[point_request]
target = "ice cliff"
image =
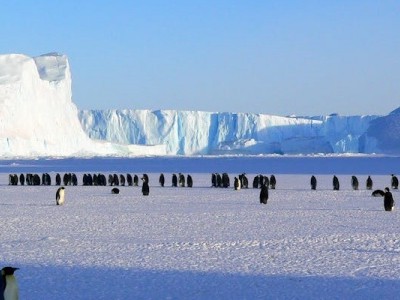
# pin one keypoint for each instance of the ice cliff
(38, 119)
(194, 132)
(37, 116)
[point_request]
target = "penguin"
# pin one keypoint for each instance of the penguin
(256, 182)
(22, 179)
(58, 179)
(388, 201)
(174, 180)
(110, 179)
(313, 182)
(395, 182)
(378, 193)
(115, 179)
(36, 179)
(225, 180)
(161, 180)
(219, 180)
(237, 184)
(129, 179)
(145, 187)
(181, 180)
(60, 196)
(354, 182)
(122, 179)
(244, 182)
(115, 191)
(336, 185)
(214, 180)
(189, 181)
(264, 194)
(369, 183)
(135, 180)
(272, 181)
(8, 284)
(67, 179)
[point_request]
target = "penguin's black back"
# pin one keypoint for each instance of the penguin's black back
(2, 286)
(264, 194)
(145, 188)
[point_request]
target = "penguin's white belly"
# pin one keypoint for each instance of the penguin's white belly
(11, 291)
(61, 198)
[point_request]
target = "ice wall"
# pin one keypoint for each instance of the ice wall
(37, 116)
(194, 132)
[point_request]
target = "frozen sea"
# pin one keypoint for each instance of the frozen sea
(203, 242)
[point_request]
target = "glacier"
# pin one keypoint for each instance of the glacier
(211, 133)
(39, 119)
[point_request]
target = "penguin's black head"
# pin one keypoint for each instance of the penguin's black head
(8, 270)
(386, 189)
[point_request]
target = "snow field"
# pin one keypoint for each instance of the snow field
(202, 242)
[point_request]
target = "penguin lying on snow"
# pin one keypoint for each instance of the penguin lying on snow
(60, 196)
(8, 284)
(378, 193)
(115, 191)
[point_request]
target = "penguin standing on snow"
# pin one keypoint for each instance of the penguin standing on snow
(395, 182)
(369, 183)
(161, 179)
(354, 182)
(60, 196)
(336, 185)
(264, 194)
(8, 284)
(145, 187)
(388, 201)
(313, 182)
(236, 184)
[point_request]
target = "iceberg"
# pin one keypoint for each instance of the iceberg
(39, 119)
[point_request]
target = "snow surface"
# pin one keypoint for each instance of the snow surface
(203, 242)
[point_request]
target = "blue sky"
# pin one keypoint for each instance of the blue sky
(271, 57)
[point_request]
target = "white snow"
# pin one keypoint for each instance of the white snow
(203, 242)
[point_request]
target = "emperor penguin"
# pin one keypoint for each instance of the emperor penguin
(336, 185)
(237, 184)
(60, 196)
(145, 187)
(313, 182)
(8, 284)
(388, 201)
(264, 194)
